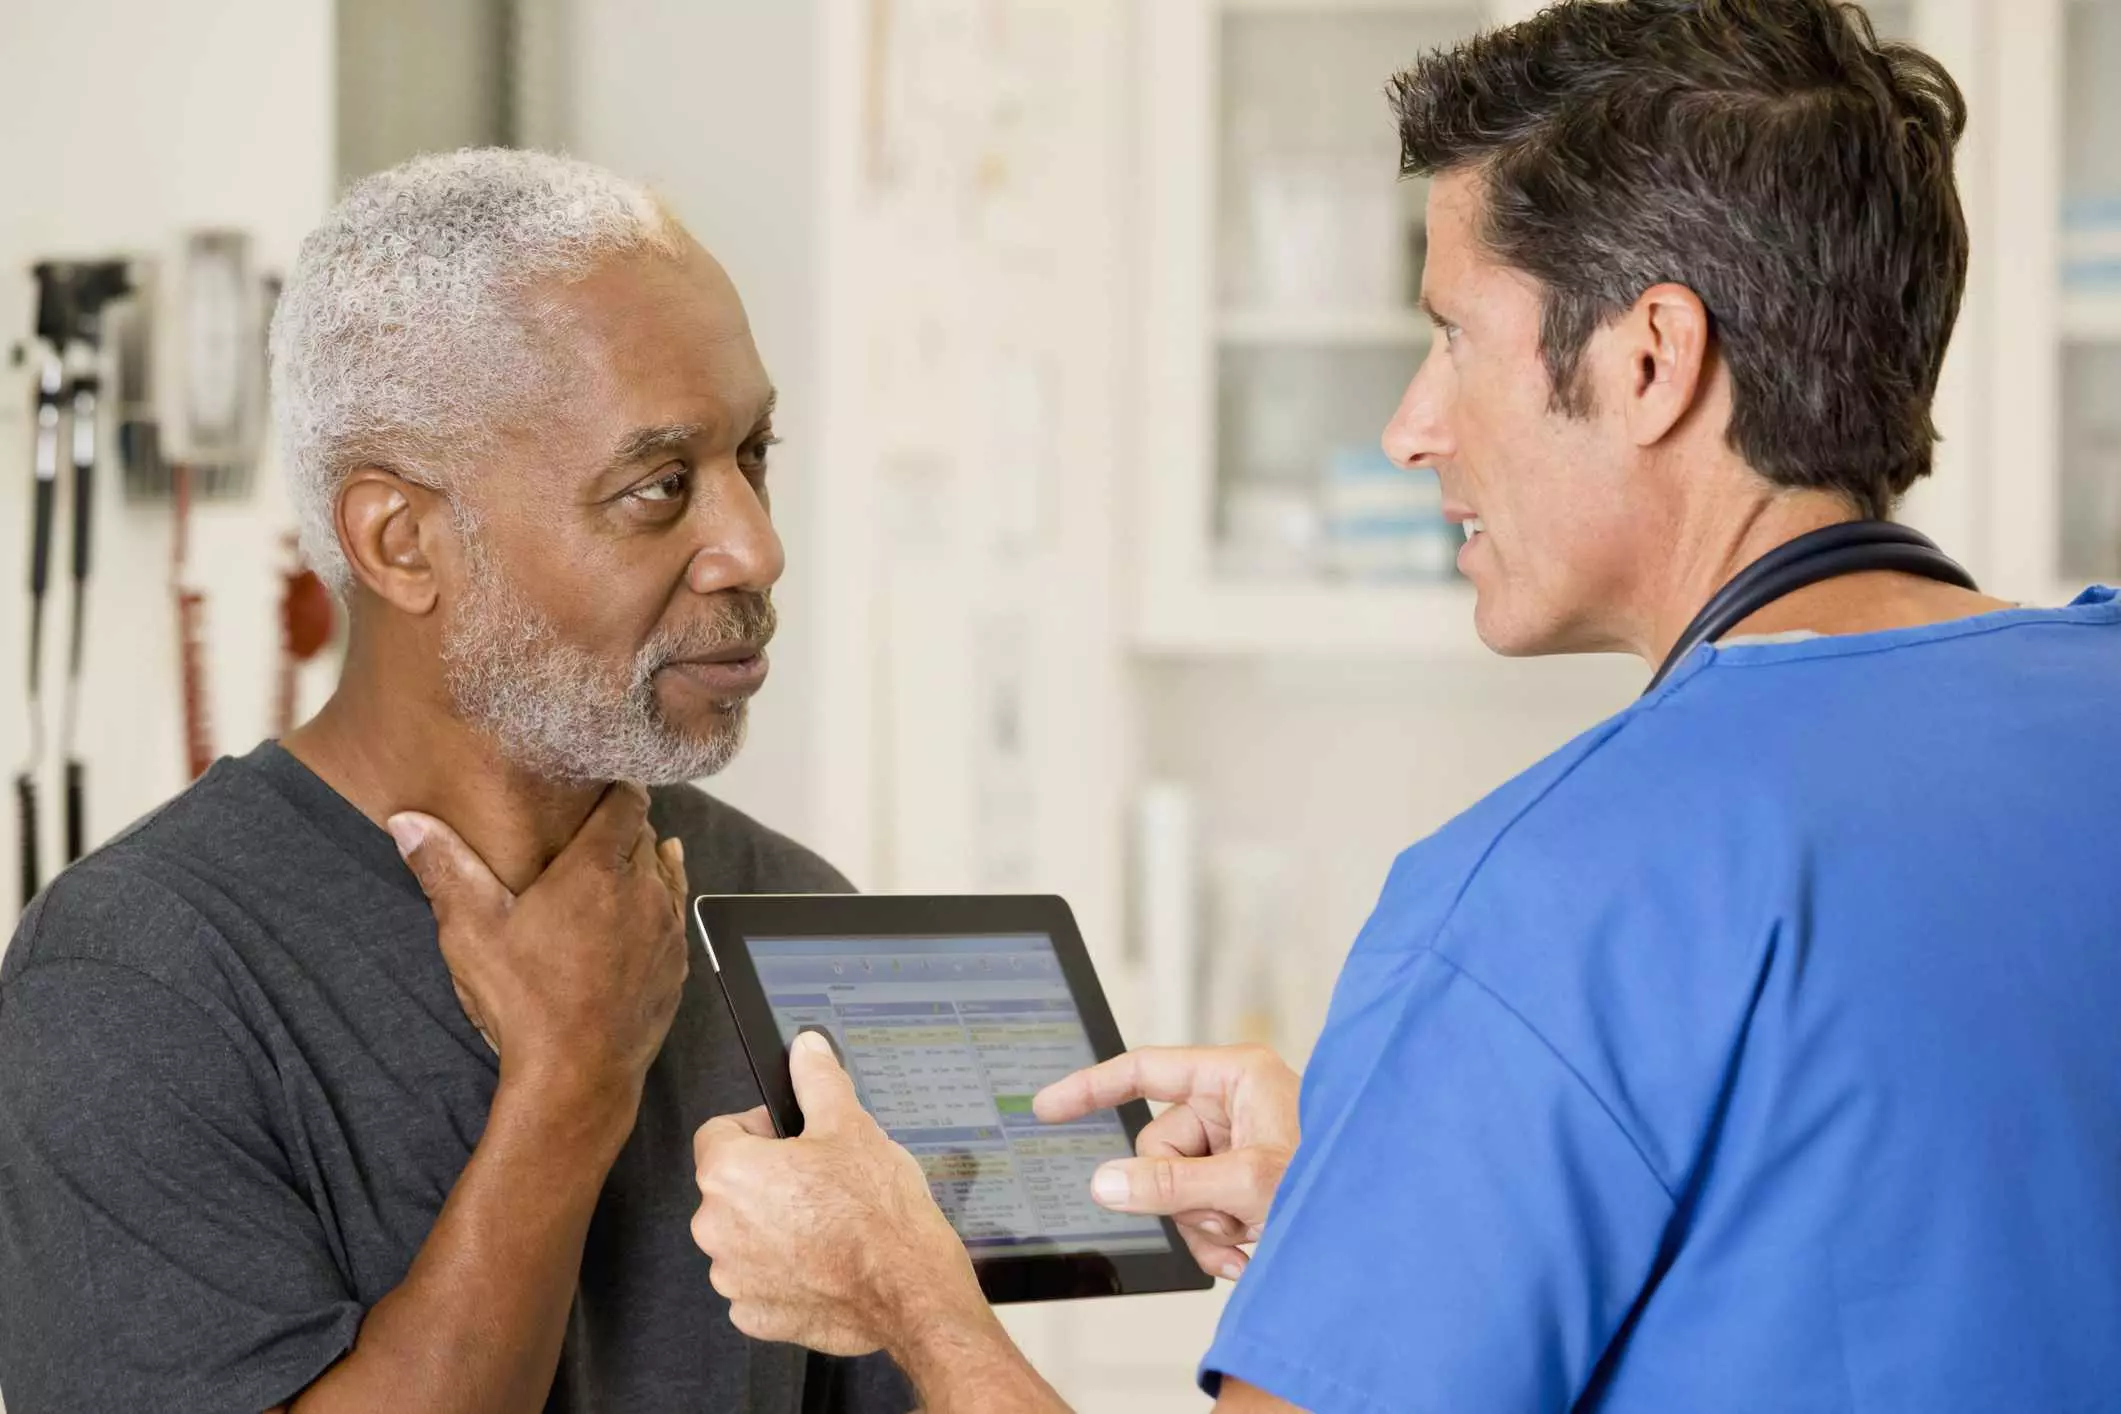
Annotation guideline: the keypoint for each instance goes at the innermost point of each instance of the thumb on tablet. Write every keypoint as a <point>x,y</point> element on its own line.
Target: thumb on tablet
<point>823,1090</point>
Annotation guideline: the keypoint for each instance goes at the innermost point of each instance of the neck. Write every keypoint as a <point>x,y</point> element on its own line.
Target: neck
<point>1725,541</point>
<point>387,745</point>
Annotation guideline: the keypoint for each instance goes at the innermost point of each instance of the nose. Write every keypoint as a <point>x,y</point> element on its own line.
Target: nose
<point>739,548</point>
<point>1419,433</point>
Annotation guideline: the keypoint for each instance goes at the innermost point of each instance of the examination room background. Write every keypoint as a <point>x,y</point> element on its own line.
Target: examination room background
<point>1085,315</point>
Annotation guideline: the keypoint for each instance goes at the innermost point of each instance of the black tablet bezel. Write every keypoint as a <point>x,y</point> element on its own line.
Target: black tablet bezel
<point>728,921</point>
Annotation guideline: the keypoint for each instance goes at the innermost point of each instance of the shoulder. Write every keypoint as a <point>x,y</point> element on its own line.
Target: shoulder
<point>1618,902</point>
<point>116,906</point>
<point>1660,802</point>
<point>114,912</point>
<point>149,880</point>
<point>153,901</point>
<point>114,980</point>
<point>726,851</point>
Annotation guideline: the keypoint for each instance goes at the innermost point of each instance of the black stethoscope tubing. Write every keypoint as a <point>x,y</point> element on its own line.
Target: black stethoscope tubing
<point>1853,547</point>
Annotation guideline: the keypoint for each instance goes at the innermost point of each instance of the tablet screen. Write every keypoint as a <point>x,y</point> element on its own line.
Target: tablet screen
<point>948,1039</point>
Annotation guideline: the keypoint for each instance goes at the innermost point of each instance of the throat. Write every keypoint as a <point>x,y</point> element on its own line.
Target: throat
<point>388,762</point>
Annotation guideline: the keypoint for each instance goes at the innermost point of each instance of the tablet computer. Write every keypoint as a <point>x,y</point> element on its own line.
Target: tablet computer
<point>950,1014</point>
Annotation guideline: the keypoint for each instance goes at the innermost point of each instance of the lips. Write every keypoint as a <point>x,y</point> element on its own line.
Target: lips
<point>1476,533</point>
<point>726,673</point>
<point>733,653</point>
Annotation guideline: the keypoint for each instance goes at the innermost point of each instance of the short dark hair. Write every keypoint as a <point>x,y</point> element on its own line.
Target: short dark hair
<point>1770,155</point>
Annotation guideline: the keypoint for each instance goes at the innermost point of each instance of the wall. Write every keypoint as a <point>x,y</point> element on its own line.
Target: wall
<point>226,118</point>
<point>132,121</point>
<point>1311,778</point>
<point>419,76</point>
<point>973,341</point>
<point>713,104</point>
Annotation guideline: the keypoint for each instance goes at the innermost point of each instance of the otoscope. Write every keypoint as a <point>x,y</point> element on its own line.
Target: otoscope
<point>71,296</point>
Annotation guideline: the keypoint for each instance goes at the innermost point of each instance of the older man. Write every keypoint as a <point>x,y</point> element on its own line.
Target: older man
<point>1758,1050</point>
<point>294,1117</point>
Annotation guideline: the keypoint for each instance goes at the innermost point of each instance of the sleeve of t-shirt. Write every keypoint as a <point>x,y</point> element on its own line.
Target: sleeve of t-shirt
<point>155,1250</point>
<point>1465,1225</point>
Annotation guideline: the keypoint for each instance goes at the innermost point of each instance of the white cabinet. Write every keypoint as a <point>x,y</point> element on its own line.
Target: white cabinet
<point>2028,481</point>
<point>2089,497</point>
<point>1281,264</point>
<point>2028,484</point>
<point>1280,257</point>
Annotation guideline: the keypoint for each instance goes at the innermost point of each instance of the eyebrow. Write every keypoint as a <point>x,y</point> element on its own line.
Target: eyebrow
<point>643,443</point>
<point>1422,303</point>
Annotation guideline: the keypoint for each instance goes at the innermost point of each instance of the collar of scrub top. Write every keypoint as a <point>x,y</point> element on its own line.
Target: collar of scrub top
<point>1853,547</point>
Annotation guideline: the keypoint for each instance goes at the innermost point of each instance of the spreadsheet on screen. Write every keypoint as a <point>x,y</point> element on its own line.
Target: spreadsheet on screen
<point>948,1038</point>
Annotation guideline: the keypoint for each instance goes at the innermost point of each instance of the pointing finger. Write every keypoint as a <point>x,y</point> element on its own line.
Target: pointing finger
<point>1147,1073</point>
<point>1240,1183</point>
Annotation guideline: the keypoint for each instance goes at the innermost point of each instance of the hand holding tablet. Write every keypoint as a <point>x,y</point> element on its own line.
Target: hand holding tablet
<point>951,1014</point>
<point>828,1240</point>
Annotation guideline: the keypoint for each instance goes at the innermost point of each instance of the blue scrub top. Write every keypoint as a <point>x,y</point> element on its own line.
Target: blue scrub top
<point>1760,1049</point>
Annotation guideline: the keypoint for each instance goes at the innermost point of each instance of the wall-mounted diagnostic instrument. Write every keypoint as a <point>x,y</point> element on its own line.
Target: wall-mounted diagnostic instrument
<point>171,348</point>
<point>71,298</point>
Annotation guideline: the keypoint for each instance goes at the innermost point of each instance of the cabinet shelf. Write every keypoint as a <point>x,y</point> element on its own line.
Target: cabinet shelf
<point>1342,7</point>
<point>1358,328</point>
<point>1305,619</point>
<point>2092,318</point>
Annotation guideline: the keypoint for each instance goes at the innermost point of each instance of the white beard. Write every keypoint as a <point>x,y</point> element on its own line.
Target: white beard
<point>559,712</point>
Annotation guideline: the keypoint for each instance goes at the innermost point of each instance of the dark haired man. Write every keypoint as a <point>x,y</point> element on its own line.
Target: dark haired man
<point>1758,1049</point>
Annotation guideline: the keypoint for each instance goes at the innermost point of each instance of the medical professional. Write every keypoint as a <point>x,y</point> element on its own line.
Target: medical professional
<point>1761,1048</point>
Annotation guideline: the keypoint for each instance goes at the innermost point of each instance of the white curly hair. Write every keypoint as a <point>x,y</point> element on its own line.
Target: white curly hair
<point>402,332</point>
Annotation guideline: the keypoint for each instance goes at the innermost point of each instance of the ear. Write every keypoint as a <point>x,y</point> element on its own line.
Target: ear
<point>395,532</point>
<point>1666,340</point>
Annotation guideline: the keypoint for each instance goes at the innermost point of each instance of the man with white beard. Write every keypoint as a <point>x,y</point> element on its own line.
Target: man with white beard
<point>311,1100</point>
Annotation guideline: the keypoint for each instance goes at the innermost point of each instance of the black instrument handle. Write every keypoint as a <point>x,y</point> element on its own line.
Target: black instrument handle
<point>84,513</point>
<point>40,545</point>
<point>76,811</point>
<point>40,572</point>
<point>84,505</point>
<point>26,809</point>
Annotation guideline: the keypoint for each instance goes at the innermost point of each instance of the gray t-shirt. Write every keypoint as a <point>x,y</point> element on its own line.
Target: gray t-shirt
<point>236,1087</point>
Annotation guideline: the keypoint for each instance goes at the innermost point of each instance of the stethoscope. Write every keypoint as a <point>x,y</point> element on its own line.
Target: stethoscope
<point>1854,547</point>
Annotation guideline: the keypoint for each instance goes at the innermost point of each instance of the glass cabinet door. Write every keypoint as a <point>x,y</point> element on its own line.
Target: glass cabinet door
<point>2090,493</point>
<point>1319,245</point>
<point>1893,19</point>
